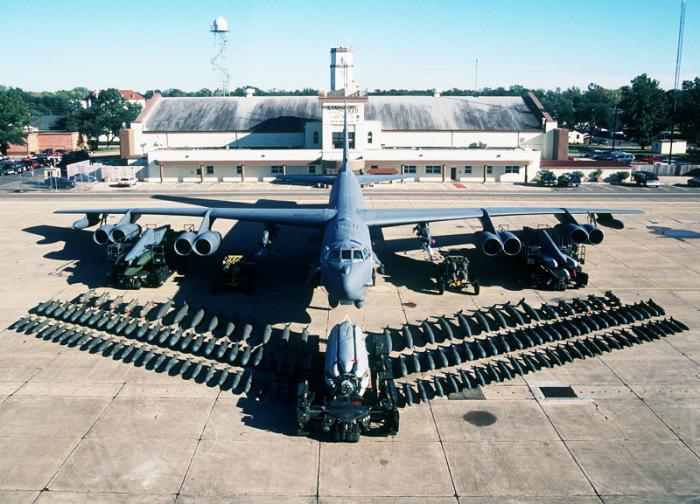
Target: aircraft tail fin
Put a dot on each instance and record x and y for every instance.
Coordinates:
(346, 141)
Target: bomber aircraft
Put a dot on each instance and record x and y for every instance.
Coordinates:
(347, 263)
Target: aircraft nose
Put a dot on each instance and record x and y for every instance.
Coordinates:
(353, 287)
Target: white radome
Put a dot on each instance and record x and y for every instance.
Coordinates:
(220, 25)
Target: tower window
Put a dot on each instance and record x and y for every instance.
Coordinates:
(315, 138)
(338, 139)
(369, 137)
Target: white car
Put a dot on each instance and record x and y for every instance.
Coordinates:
(126, 182)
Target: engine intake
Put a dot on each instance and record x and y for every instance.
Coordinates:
(102, 235)
(574, 233)
(184, 243)
(491, 244)
(511, 243)
(207, 243)
(124, 232)
(595, 235)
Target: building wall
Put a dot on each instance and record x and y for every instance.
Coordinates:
(664, 147)
(39, 141)
(460, 139)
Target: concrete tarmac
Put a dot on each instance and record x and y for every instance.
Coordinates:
(78, 427)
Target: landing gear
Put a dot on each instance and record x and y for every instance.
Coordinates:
(422, 231)
(268, 235)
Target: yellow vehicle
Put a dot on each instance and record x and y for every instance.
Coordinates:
(237, 272)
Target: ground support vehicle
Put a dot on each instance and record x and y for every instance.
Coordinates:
(455, 273)
(358, 391)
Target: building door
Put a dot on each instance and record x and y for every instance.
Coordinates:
(453, 173)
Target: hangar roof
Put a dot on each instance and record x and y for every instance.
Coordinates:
(289, 113)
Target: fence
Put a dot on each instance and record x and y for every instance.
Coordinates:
(102, 172)
(664, 169)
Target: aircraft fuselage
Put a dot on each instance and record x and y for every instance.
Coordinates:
(346, 250)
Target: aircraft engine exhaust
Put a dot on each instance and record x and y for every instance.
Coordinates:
(102, 235)
(595, 235)
(184, 243)
(511, 243)
(124, 232)
(207, 243)
(491, 244)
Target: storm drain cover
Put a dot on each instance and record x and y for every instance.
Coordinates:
(558, 392)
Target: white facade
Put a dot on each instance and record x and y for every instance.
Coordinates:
(664, 146)
(342, 69)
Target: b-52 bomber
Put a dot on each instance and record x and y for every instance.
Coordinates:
(347, 263)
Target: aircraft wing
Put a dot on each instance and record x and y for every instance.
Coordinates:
(330, 179)
(376, 179)
(307, 179)
(383, 217)
(305, 217)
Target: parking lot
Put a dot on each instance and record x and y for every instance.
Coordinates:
(78, 427)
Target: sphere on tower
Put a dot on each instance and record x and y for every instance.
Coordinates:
(219, 25)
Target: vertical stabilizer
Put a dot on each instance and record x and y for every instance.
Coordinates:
(346, 141)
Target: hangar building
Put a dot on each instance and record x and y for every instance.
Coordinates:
(230, 139)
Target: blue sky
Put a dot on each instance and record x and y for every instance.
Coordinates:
(401, 44)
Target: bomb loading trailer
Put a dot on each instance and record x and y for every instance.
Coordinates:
(358, 388)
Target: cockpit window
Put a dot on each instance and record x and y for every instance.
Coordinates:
(346, 254)
(334, 255)
(357, 255)
(365, 254)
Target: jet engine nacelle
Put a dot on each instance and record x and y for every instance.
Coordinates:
(595, 235)
(123, 232)
(574, 233)
(511, 243)
(102, 235)
(184, 243)
(207, 243)
(490, 243)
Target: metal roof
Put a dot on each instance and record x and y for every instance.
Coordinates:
(289, 113)
(467, 113)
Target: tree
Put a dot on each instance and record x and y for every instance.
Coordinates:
(596, 106)
(644, 109)
(109, 113)
(14, 116)
(688, 112)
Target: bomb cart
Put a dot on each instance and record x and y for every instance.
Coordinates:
(358, 393)
(455, 273)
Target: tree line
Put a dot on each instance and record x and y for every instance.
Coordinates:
(642, 108)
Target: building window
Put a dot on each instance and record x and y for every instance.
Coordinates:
(512, 169)
(276, 169)
(369, 137)
(199, 170)
(338, 138)
(312, 169)
(468, 170)
(489, 170)
(410, 169)
(239, 169)
(315, 137)
(210, 170)
(433, 169)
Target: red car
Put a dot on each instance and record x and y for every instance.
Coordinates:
(31, 163)
(651, 159)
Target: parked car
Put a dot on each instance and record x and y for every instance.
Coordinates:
(569, 180)
(649, 159)
(694, 182)
(546, 178)
(81, 177)
(126, 182)
(11, 167)
(59, 183)
(646, 178)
